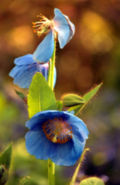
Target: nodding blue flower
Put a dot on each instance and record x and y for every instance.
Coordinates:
(59, 27)
(56, 135)
(25, 68)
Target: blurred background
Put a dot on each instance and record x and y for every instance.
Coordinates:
(91, 57)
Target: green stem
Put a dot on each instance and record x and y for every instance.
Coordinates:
(51, 165)
(51, 172)
(74, 177)
(51, 69)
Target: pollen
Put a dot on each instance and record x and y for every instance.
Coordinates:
(57, 130)
(43, 25)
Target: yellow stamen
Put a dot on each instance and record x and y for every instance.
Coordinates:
(43, 25)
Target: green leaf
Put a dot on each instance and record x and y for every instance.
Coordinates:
(5, 157)
(92, 181)
(88, 96)
(77, 103)
(72, 100)
(27, 181)
(41, 96)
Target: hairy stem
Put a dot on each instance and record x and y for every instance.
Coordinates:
(74, 177)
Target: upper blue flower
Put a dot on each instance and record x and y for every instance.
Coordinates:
(25, 68)
(28, 65)
(57, 135)
(60, 26)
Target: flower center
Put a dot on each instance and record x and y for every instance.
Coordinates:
(43, 25)
(57, 130)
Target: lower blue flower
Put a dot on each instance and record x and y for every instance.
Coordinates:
(25, 69)
(56, 135)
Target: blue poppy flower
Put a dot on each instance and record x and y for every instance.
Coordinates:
(57, 135)
(60, 26)
(28, 65)
(25, 68)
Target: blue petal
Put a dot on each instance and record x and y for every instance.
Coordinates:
(45, 49)
(62, 154)
(44, 70)
(24, 60)
(72, 27)
(64, 27)
(23, 78)
(35, 122)
(67, 154)
(14, 71)
(38, 145)
(78, 126)
(23, 74)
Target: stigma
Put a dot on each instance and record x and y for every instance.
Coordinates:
(57, 130)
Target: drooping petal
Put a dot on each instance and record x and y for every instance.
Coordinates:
(24, 60)
(67, 154)
(45, 49)
(25, 68)
(64, 27)
(24, 76)
(38, 145)
(14, 71)
(20, 63)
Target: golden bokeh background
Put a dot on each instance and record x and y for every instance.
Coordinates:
(91, 57)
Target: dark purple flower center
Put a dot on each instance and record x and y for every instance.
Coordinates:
(57, 130)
